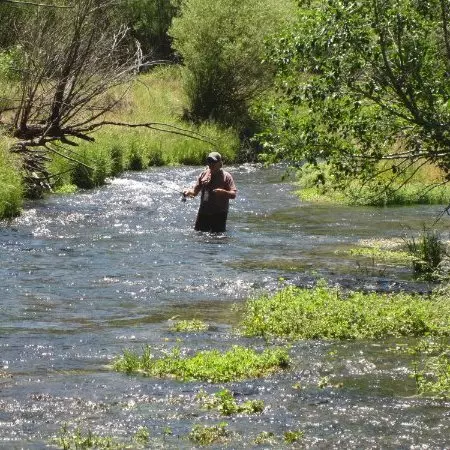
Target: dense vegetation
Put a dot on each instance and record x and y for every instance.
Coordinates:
(365, 90)
(359, 90)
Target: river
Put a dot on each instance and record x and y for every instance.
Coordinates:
(85, 276)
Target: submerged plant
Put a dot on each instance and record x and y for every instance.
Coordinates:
(211, 366)
(206, 435)
(189, 325)
(77, 439)
(226, 404)
(293, 436)
(432, 368)
(327, 313)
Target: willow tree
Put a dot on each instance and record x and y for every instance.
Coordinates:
(370, 81)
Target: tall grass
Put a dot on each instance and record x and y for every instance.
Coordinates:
(11, 189)
(158, 98)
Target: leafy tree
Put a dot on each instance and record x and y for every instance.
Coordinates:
(222, 46)
(365, 81)
(64, 67)
(149, 21)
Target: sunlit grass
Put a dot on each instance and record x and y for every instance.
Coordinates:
(423, 185)
(189, 325)
(157, 98)
(11, 188)
(212, 366)
(328, 313)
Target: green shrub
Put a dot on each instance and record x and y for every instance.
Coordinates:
(326, 313)
(428, 252)
(223, 58)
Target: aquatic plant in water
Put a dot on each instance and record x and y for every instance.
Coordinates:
(428, 252)
(432, 367)
(226, 404)
(189, 325)
(206, 435)
(77, 439)
(212, 366)
(329, 313)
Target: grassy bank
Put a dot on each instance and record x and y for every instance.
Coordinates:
(156, 98)
(11, 192)
(422, 185)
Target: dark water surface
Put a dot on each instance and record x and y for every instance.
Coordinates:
(85, 276)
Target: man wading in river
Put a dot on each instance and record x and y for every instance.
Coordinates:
(217, 188)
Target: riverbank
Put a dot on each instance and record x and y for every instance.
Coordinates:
(154, 98)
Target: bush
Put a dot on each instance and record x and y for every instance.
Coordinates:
(223, 57)
(428, 252)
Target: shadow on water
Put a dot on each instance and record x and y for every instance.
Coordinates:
(86, 276)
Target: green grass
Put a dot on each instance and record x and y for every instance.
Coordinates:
(11, 188)
(224, 402)
(189, 325)
(327, 313)
(317, 184)
(239, 363)
(156, 97)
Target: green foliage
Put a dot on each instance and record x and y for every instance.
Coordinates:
(320, 184)
(212, 366)
(363, 81)
(225, 403)
(428, 252)
(150, 20)
(326, 313)
(207, 435)
(11, 188)
(432, 367)
(293, 436)
(224, 56)
(189, 325)
(76, 439)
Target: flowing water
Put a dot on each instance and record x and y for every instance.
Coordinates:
(85, 276)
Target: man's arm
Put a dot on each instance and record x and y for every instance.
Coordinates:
(225, 193)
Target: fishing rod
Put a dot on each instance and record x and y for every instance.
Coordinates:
(178, 190)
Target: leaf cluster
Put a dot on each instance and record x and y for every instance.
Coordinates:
(366, 81)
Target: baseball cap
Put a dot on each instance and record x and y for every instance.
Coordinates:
(214, 157)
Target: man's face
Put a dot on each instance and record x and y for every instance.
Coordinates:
(214, 166)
